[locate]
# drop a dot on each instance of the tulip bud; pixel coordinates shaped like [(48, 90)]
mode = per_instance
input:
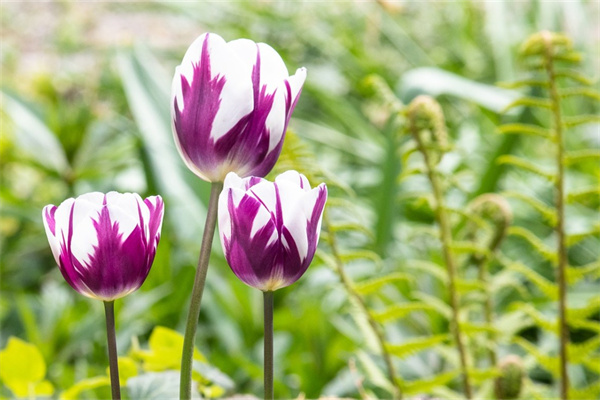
[(104, 244), (269, 230), (231, 104), (510, 382)]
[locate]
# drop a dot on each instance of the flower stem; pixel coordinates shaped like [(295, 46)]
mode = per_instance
[(109, 311), (268, 359), (560, 221), (185, 384), (377, 330)]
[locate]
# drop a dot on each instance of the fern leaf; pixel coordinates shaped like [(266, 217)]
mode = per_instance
[(578, 237), (529, 102), (469, 285), (592, 307), (438, 305), (577, 323), (569, 57), (547, 212), (579, 351), (480, 375), (427, 385), (549, 363), (526, 165), (571, 122), (526, 129), (575, 274), (544, 285), (534, 241), (591, 391), (375, 284), (350, 226), (574, 76), (579, 91), (326, 259), (583, 194), (398, 311), (520, 83), (581, 155), (551, 325), (407, 173), (472, 328), (413, 346), (463, 247), (360, 255), (430, 268)]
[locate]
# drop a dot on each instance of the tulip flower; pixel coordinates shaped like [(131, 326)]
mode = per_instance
[(104, 245), (231, 104), (269, 232)]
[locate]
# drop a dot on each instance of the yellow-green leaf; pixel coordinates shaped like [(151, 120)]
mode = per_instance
[(127, 369), (23, 369), (73, 393), (166, 346)]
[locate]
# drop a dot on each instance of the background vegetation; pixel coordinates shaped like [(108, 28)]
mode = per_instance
[(85, 106)]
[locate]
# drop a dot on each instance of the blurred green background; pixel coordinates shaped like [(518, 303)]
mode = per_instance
[(85, 107)]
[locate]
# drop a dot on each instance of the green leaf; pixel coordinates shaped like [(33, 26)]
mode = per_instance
[(429, 268), (549, 363), (74, 392), (547, 212), (471, 328), (546, 287), (34, 137), (520, 83), (480, 375), (350, 226), (591, 391), (583, 194), (464, 247), (436, 82), (374, 284), (127, 369), (573, 75), (576, 274), (534, 241), (413, 346), (573, 157), (579, 91), (575, 238), (525, 129), (526, 165), (360, 255), (23, 369), (571, 122), (539, 102), (426, 385), (398, 311), (580, 351)]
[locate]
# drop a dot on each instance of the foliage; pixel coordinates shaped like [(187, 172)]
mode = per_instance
[(374, 315)]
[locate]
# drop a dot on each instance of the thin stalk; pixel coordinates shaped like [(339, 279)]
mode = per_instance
[(185, 383), (113, 360), (348, 284), (487, 307), (560, 221), (268, 355), (446, 238)]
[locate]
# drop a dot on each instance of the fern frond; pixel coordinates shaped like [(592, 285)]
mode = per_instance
[(398, 311), (526, 129), (579, 91), (469, 285), (430, 268), (547, 212), (351, 226), (578, 237), (583, 194), (539, 102), (375, 284), (592, 307), (572, 57), (464, 247), (574, 121), (573, 157), (407, 173), (578, 323), (549, 363), (592, 391), (521, 83), (427, 385), (440, 307), (473, 328), (573, 75), (551, 325), (575, 274), (360, 255), (548, 288), (534, 241), (580, 351), (480, 375), (413, 346), (526, 165)]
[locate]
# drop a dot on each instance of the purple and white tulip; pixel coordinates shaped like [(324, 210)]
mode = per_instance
[(269, 230), (104, 244), (231, 104)]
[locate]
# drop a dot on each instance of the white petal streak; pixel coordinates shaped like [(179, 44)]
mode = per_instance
[(123, 208), (295, 178), (272, 68), (85, 237), (53, 240), (292, 199), (296, 82), (277, 117)]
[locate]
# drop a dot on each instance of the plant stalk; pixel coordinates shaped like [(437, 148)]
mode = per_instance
[(348, 284), (446, 239), (113, 360), (560, 222), (268, 354), (185, 383)]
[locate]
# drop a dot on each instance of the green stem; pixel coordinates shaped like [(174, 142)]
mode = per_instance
[(185, 384), (347, 282), (560, 224), (113, 360), (446, 238), (268, 360)]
